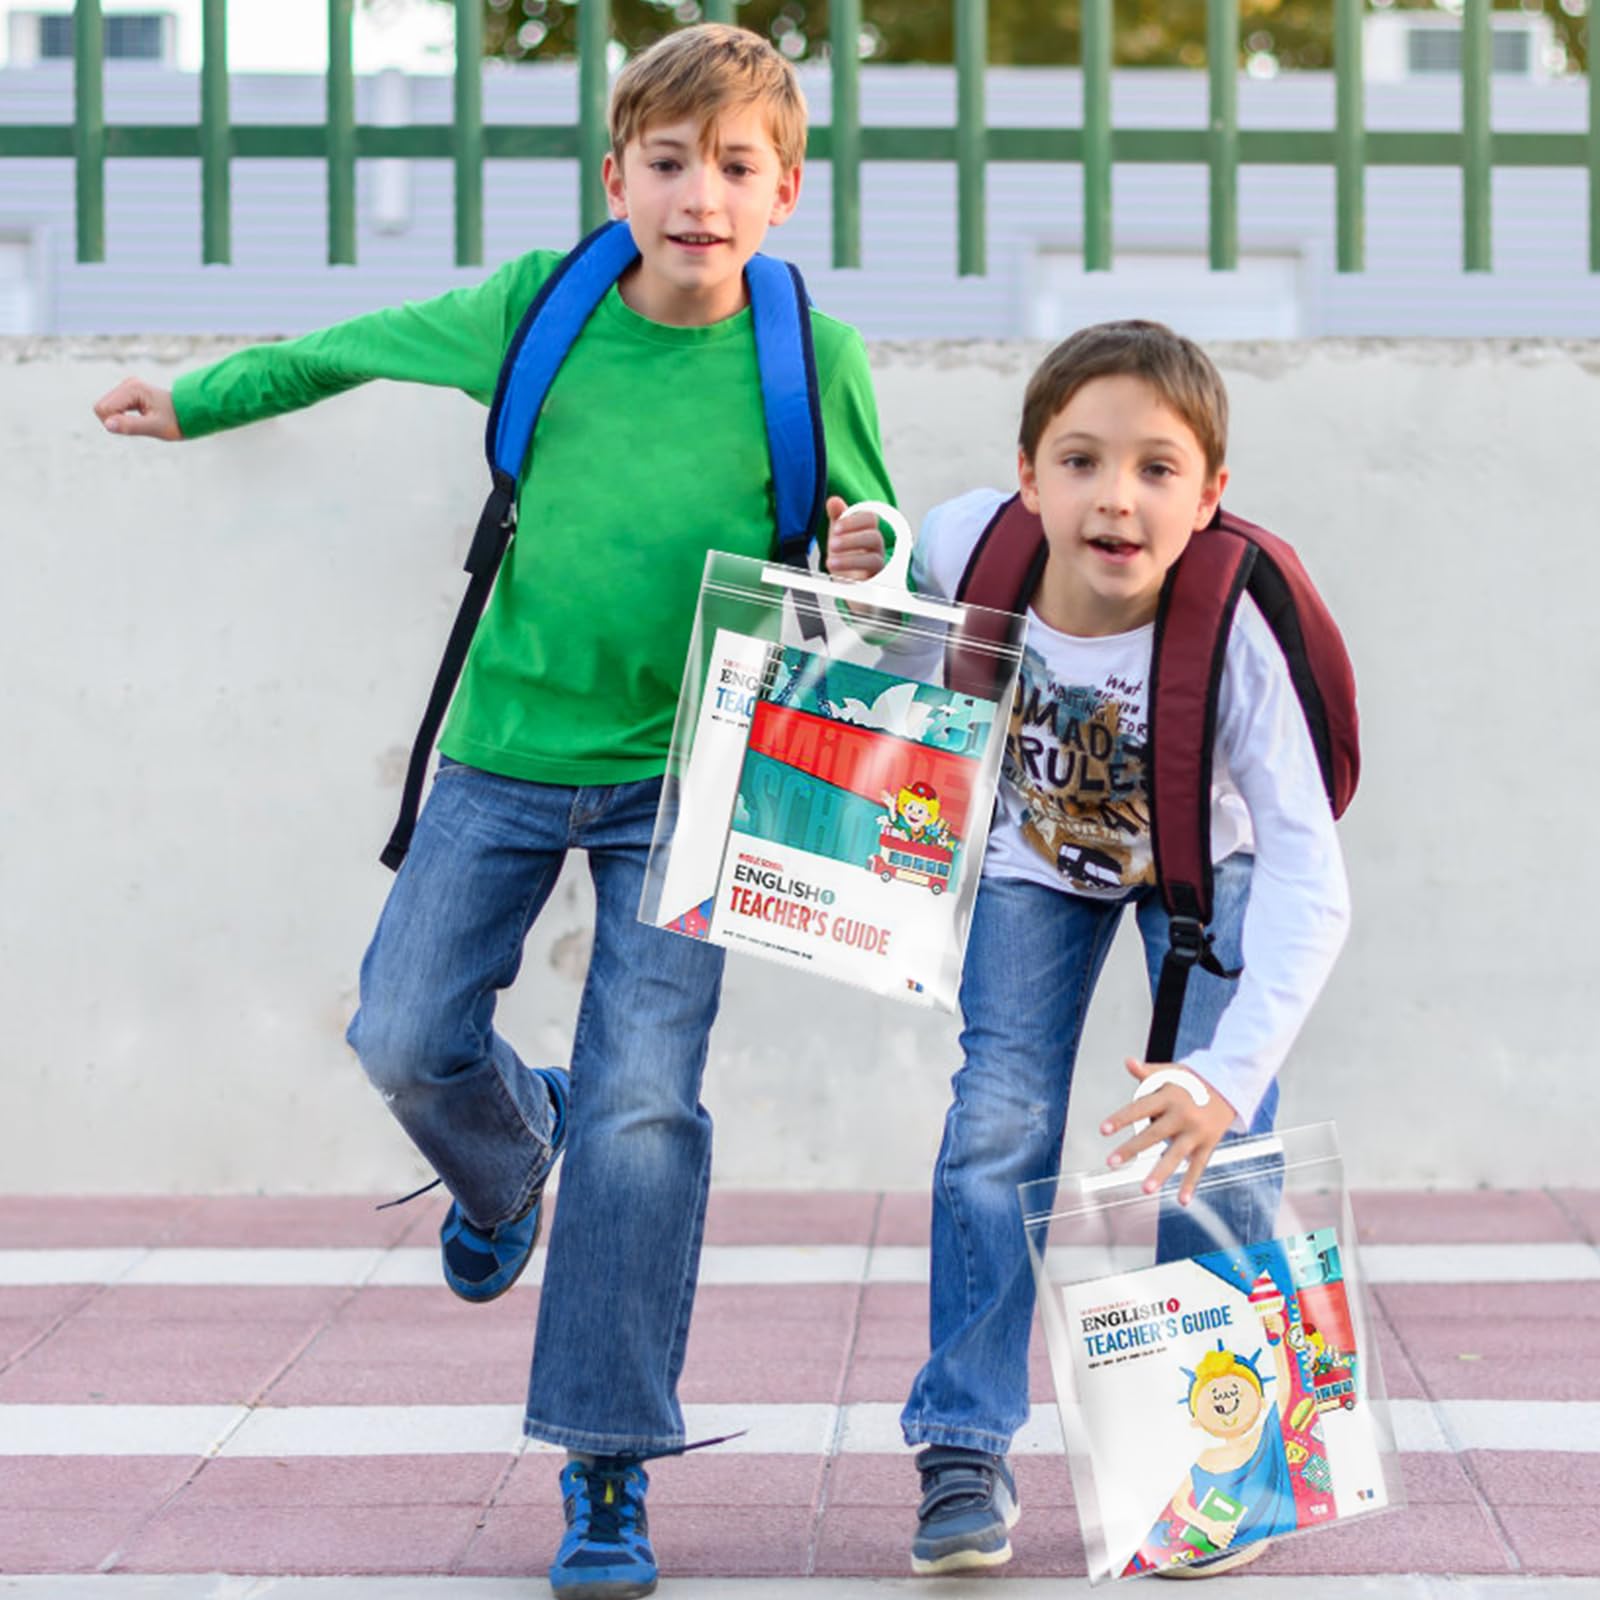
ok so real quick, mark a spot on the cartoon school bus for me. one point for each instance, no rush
(1333, 1388)
(909, 862)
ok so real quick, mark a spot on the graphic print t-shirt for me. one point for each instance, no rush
(1074, 805)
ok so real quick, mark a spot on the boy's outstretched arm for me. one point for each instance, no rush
(142, 410)
(1191, 1130)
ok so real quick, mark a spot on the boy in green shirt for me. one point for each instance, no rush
(650, 450)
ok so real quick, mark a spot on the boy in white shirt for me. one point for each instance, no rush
(1121, 454)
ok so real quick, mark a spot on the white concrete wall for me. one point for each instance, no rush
(214, 656)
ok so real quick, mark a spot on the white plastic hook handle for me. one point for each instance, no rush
(895, 573)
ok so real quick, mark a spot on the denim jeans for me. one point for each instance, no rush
(625, 1245)
(1033, 957)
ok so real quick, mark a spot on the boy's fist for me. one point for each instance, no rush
(139, 408)
(855, 543)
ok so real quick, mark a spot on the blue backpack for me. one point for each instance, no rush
(780, 308)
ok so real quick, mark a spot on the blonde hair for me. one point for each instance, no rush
(699, 73)
(1216, 1364)
(1176, 368)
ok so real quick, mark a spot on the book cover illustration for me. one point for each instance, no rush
(1223, 1401)
(862, 806)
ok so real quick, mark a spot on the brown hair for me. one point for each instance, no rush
(702, 71)
(1175, 367)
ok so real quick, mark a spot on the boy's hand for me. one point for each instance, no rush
(855, 549)
(139, 408)
(1191, 1131)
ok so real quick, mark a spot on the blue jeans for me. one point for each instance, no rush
(1033, 958)
(625, 1246)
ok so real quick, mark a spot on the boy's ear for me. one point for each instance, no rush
(786, 198)
(1027, 481)
(616, 193)
(1210, 499)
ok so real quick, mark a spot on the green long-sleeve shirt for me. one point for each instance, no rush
(651, 450)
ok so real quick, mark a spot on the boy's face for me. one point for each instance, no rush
(1120, 482)
(698, 214)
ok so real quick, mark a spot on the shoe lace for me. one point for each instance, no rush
(953, 1480)
(611, 1505)
(387, 1204)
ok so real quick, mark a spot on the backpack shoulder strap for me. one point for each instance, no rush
(791, 400)
(1195, 615)
(1002, 572)
(563, 304)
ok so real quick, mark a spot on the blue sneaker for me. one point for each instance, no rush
(606, 1553)
(969, 1504)
(481, 1266)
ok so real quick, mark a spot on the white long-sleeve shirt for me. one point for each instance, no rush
(1074, 812)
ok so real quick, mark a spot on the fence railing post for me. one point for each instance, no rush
(341, 117)
(1222, 66)
(844, 130)
(89, 128)
(1594, 143)
(594, 36)
(972, 129)
(1477, 168)
(1097, 148)
(1350, 135)
(216, 138)
(468, 136)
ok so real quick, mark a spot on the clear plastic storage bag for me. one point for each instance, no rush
(829, 788)
(1215, 1365)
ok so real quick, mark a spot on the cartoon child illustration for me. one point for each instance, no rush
(1239, 1489)
(914, 815)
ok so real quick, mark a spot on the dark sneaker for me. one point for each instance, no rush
(481, 1265)
(606, 1553)
(969, 1504)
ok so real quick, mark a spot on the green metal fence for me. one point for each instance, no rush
(1222, 146)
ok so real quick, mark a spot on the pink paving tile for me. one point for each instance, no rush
(1555, 1539)
(220, 1304)
(1401, 1380)
(890, 1482)
(517, 1541)
(90, 1483)
(904, 1218)
(769, 1343)
(436, 1305)
(458, 1480)
(859, 1541)
(767, 1216)
(1405, 1304)
(67, 1222)
(1455, 1538)
(153, 1363)
(704, 1479)
(27, 1314)
(1434, 1478)
(438, 1357)
(1583, 1206)
(1536, 1477)
(704, 1541)
(1459, 1216)
(55, 1540)
(289, 1221)
(1505, 1358)
(419, 1538)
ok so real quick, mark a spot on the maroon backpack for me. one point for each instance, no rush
(1227, 558)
